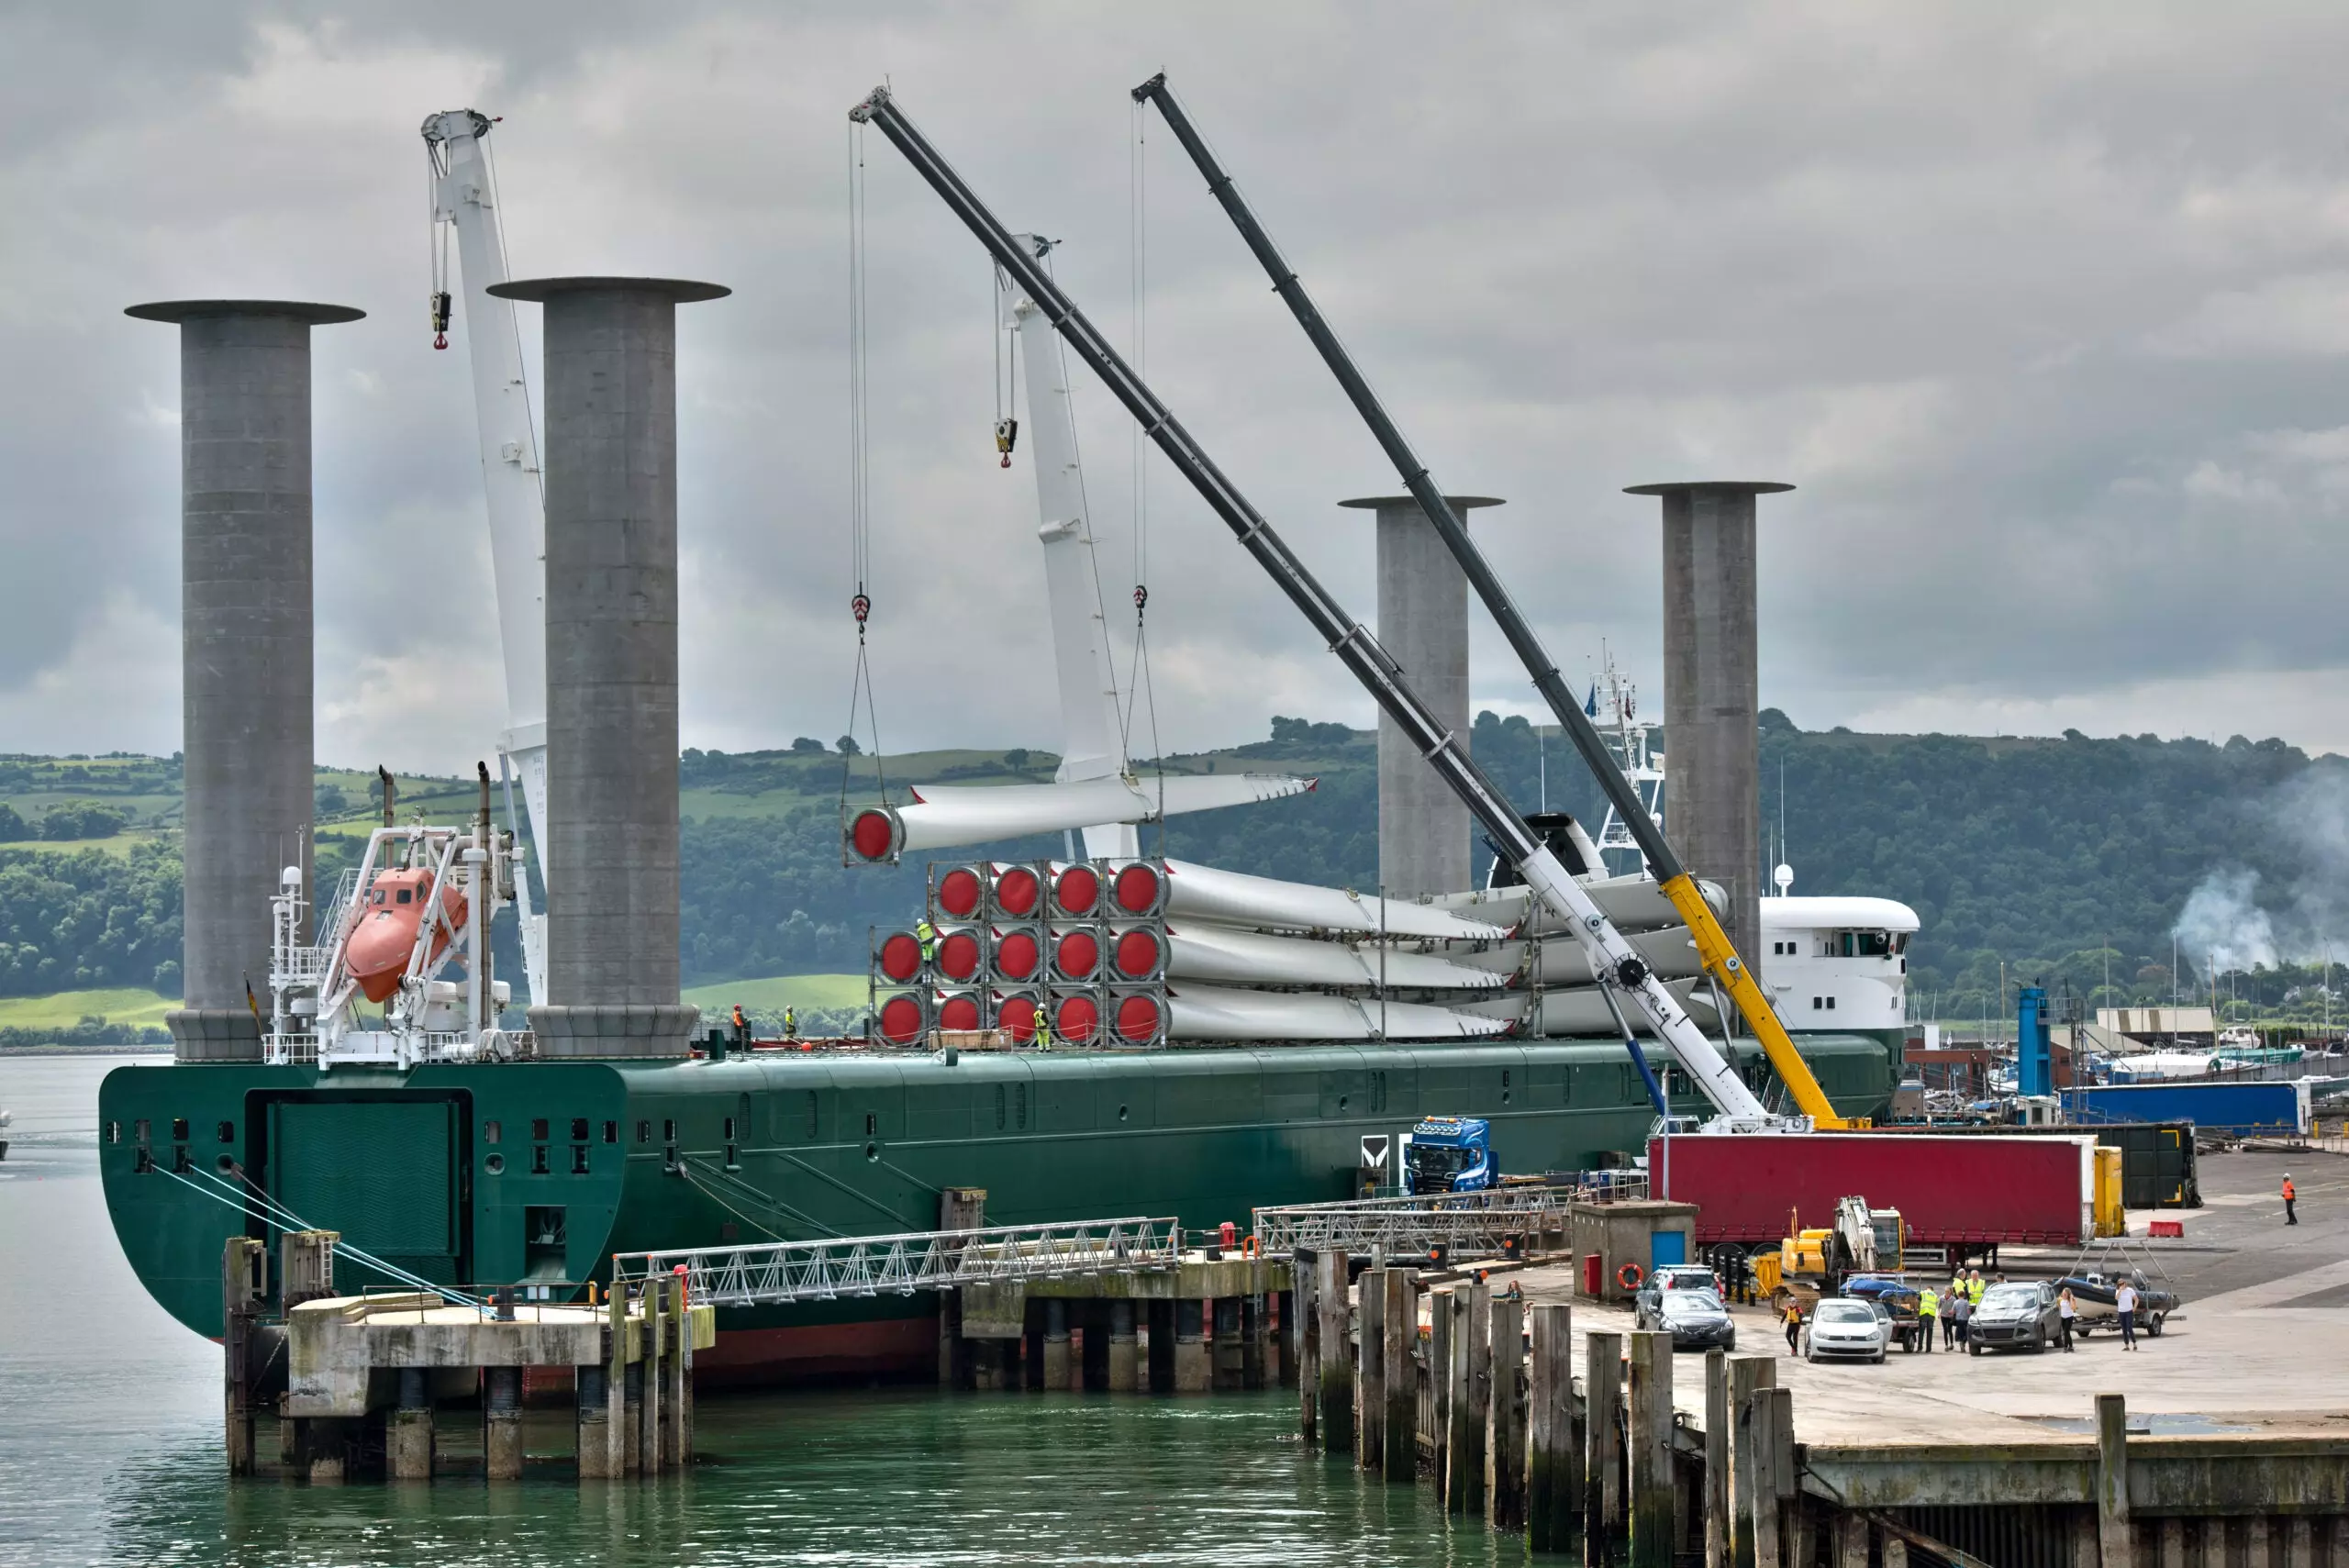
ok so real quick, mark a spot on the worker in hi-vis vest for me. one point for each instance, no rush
(1928, 1316)
(927, 934)
(1043, 1029)
(2292, 1194)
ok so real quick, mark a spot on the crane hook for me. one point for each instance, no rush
(1007, 435)
(440, 312)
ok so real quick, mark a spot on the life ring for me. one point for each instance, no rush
(1630, 1275)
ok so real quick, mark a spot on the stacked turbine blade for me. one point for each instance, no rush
(1143, 952)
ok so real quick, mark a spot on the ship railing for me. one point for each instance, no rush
(301, 966)
(773, 1273)
(289, 1050)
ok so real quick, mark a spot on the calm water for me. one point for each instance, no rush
(110, 1447)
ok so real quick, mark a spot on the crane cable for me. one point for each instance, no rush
(859, 487)
(436, 238)
(1137, 169)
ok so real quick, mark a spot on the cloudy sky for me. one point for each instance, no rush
(2045, 313)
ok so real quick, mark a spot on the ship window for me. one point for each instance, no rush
(179, 1129)
(379, 897)
(491, 1132)
(225, 1132)
(579, 1129)
(1121, 1113)
(729, 1129)
(538, 1127)
(668, 1132)
(611, 1132)
(538, 1160)
(143, 1132)
(873, 1123)
(114, 1133)
(579, 1159)
(1817, 1002)
(404, 895)
(644, 1132)
(1831, 1004)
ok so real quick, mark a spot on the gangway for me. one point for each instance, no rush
(1464, 1224)
(775, 1274)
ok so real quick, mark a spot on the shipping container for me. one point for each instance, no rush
(2157, 1167)
(2258, 1109)
(1967, 1191)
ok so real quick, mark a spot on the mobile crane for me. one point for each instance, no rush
(464, 200)
(1713, 947)
(1613, 960)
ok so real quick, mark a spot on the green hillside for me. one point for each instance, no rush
(2069, 860)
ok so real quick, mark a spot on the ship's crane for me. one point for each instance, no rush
(1093, 738)
(464, 200)
(1713, 948)
(1611, 956)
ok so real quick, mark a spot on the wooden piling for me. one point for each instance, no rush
(676, 1399)
(1794, 1514)
(1753, 1501)
(1606, 1530)
(616, 1446)
(1553, 1461)
(1257, 1368)
(1284, 1337)
(2115, 1548)
(1440, 1344)
(1649, 1430)
(649, 1358)
(1337, 1361)
(1505, 1435)
(501, 1422)
(1302, 1322)
(1228, 1349)
(1400, 1329)
(1370, 1369)
(1471, 1397)
(1714, 1508)
(1124, 1372)
(244, 1269)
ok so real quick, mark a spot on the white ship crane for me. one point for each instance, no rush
(465, 202)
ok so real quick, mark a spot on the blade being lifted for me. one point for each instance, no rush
(943, 817)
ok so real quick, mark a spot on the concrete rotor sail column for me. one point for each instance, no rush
(246, 683)
(1712, 692)
(1423, 623)
(611, 615)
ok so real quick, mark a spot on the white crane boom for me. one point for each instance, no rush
(464, 196)
(1092, 729)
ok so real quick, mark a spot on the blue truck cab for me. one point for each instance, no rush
(1450, 1154)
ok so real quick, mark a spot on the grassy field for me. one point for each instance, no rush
(772, 994)
(63, 1009)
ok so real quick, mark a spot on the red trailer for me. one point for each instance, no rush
(1959, 1192)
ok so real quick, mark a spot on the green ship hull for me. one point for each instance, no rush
(536, 1172)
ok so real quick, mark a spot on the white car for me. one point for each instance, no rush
(1841, 1328)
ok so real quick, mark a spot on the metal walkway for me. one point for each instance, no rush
(778, 1272)
(1462, 1223)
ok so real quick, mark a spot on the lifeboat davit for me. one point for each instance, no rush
(377, 955)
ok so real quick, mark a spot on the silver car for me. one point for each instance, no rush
(2015, 1315)
(1846, 1327)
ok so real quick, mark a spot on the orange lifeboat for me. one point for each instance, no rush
(377, 953)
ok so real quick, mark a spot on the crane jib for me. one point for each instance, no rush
(1359, 650)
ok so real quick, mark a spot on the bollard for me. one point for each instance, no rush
(502, 1422)
(1337, 1357)
(1714, 1509)
(407, 1438)
(1370, 1368)
(1606, 1530)
(1648, 1441)
(1399, 1324)
(1193, 1374)
(1505, 1437)
(1554, 1465)
(1754, 1497)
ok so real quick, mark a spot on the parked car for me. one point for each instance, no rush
(1695, 1319)
(2015, 1315)
(1842, 1327)
(1646, 1301)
